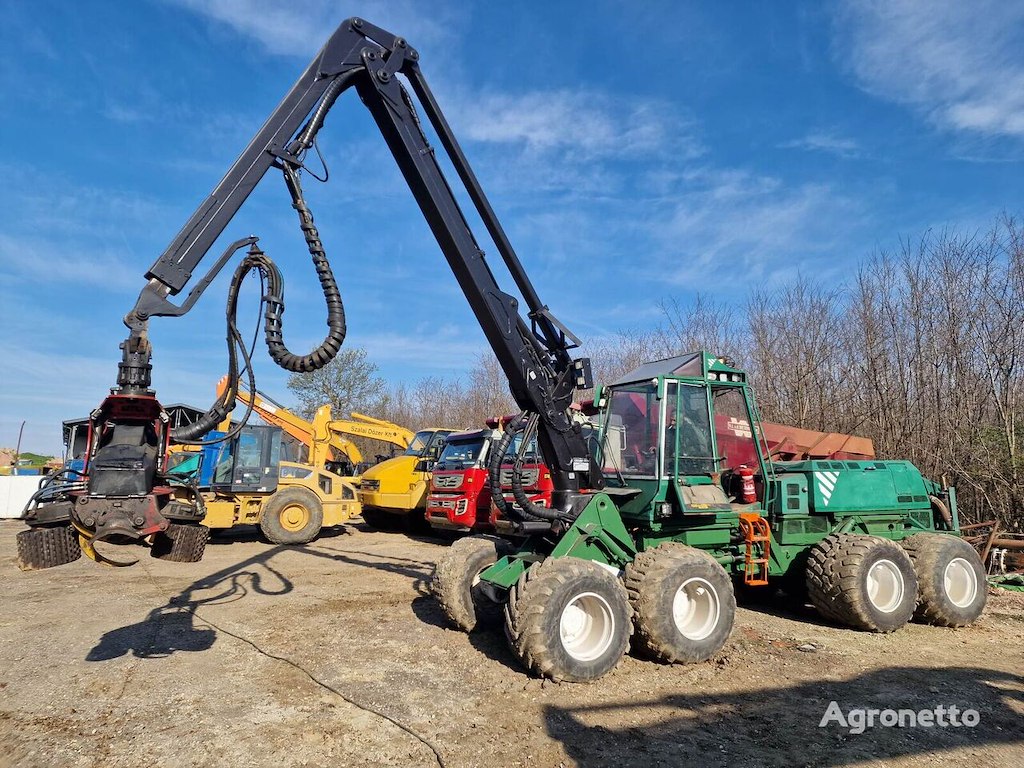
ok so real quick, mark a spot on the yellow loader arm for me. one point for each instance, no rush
(324, 435)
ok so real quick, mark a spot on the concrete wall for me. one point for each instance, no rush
(15, 492)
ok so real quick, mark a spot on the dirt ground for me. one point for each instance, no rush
(335, 654)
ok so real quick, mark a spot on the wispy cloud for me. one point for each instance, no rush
(577, 146)
(828, 142)
(958, 63)
(42, 261)
(283, 27)
(72, 234)
(754, 225)
(429, 349)
(43, 399)
(592, 123)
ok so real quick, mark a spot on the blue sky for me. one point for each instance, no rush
(633, 151)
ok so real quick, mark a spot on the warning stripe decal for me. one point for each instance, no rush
(827, 485)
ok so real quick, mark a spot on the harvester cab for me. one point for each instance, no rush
(678, 433)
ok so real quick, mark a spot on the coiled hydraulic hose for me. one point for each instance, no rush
(273, 302)
(527, 511)
(323, 354)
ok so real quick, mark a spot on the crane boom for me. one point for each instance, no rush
(126, 493)
(534, 355)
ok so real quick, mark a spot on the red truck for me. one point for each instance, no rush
(459, 498)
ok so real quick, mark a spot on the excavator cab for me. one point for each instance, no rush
(249, 461)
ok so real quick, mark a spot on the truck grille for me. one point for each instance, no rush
(369, 485)
(447, 481)
(529, 477)
(460, 506)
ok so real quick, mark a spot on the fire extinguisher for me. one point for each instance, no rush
(748, 494)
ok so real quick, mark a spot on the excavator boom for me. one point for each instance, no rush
(323, 435)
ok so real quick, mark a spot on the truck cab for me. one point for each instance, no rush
(460, 496)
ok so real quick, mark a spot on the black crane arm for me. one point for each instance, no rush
(534, 356)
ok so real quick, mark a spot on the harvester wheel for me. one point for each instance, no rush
(47, 547)
(865, 582)
(292, 516)
(952, 590)
(181, 543)
(568, 619)
(683, 603)
(456, 581)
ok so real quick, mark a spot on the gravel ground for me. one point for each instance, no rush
(335, 653)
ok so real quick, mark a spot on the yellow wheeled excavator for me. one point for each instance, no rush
(327, 439)
(256, 481)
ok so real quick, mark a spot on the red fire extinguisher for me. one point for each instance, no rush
(748, 494)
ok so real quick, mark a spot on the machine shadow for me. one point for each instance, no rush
(780, 726)
(174, 626)
(782, 605)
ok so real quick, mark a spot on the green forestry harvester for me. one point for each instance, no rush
(650, 525)
(692, 506)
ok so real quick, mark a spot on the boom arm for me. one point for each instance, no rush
(534, 356)
(361, 425)
(324, 433)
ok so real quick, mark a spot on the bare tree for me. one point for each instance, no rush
(349, 382)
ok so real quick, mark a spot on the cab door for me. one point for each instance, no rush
(250, 464)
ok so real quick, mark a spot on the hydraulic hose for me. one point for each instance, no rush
(308, 132)
(225, 404)
(323, 354)
(494, 466)
(273, 301)
(56, 485)
(527, 512)
(529, 508)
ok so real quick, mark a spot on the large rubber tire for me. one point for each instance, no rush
(568, 619)
(865, 582)
(683, 603)
(181, 543)
(383, 521)
(292, 516)
(951, 584)
(47, 547)
(456, 581)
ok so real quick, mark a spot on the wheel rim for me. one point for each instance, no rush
(885, 586)
(476, 592)
(294, 517)
(586, 626)
(960, 582)
(696, 609)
